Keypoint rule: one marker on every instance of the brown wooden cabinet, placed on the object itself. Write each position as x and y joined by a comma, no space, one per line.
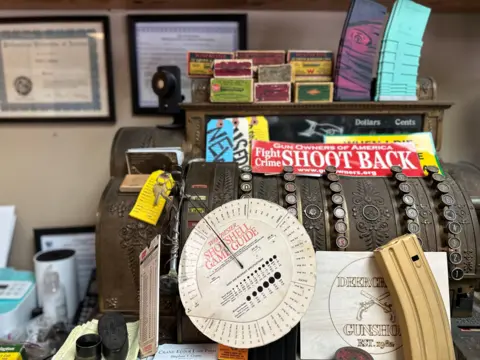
445,6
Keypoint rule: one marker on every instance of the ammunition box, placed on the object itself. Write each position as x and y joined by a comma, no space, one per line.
313,65
233,68
273,92
13,352
268,57
312,68
200,62
310,92
301,78
231,90
275,73
309,55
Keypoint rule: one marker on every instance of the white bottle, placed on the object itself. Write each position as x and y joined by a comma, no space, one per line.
54,299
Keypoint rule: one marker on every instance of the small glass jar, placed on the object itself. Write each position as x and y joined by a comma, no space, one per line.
200,90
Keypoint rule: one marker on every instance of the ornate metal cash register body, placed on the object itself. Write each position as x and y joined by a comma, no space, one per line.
339,213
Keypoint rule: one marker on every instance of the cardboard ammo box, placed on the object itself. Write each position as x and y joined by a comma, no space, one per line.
275,73
231,90
235,68
200,62
310,92
311,65
13,352
273,92
309,55
267,57
302,78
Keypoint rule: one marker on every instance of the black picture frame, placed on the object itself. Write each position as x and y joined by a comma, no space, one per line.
71,230
133,20
104,21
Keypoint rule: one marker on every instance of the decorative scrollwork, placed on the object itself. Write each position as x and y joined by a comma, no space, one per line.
267,189
121,208
425,214
148,141
313,219
223,188
111,302
468,261
136,235
370,213
462,212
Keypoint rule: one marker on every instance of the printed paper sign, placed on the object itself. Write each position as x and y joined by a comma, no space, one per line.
270,157
186,352
423,143
352,306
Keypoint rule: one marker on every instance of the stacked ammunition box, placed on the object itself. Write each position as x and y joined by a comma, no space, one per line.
274,77
261,76
232,81
200,70
312,72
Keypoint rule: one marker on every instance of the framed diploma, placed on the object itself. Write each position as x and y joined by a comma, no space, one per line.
159,40
56,69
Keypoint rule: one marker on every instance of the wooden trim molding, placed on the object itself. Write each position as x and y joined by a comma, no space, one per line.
444,6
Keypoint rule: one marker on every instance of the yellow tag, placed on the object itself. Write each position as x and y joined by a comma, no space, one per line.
144,208
258,128
423,142
228,353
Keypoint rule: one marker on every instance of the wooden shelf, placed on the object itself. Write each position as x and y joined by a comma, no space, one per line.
197,114
445,6
343,107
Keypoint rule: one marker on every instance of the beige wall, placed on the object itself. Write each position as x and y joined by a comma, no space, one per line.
55,174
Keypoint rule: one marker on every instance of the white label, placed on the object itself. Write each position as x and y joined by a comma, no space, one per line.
191,351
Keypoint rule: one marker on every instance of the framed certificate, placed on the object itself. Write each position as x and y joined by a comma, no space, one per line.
56,69
159,40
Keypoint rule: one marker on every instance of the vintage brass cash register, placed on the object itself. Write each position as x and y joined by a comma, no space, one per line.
445,216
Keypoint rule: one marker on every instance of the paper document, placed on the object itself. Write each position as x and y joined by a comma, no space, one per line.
8,219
